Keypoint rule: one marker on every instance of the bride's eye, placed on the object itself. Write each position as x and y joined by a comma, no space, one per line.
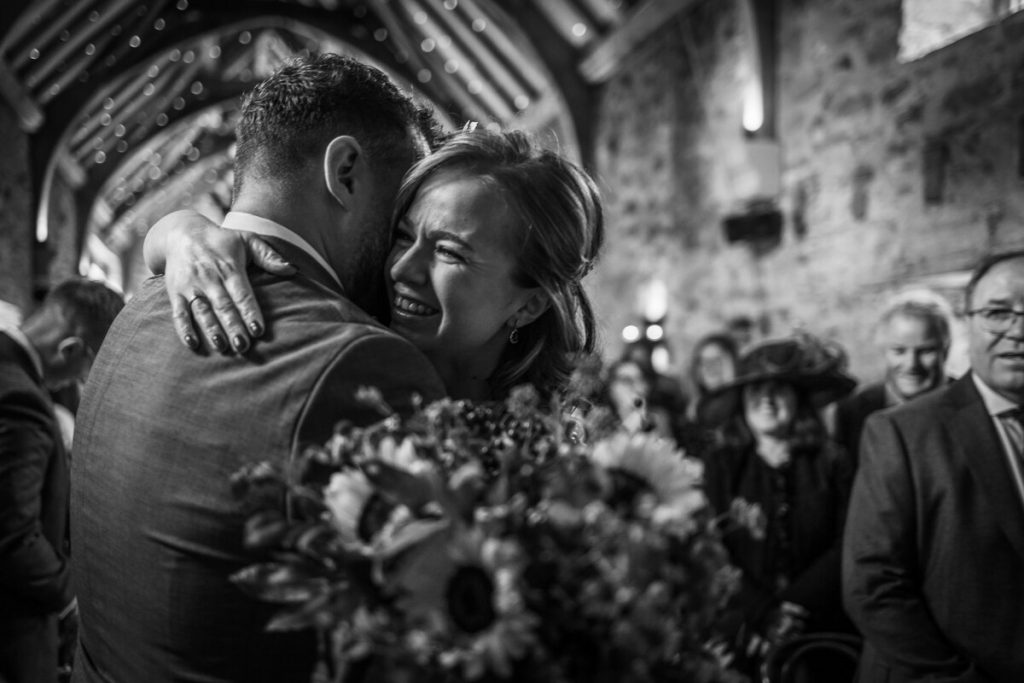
449,253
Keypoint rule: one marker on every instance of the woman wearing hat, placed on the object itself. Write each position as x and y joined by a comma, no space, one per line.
784,487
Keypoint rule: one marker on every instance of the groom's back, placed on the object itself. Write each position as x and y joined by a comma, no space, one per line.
155,531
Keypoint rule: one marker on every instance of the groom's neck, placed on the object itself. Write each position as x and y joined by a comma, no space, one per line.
294,211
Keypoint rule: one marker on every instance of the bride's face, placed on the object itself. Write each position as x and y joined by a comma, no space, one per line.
450,283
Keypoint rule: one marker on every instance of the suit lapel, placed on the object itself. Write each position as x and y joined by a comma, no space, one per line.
980,449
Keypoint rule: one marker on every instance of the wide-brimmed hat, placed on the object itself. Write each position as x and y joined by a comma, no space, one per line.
815,367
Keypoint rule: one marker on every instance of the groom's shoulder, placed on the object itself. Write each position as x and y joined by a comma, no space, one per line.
308,309
301,312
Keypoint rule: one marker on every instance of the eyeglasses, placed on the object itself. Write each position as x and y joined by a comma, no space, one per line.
996,319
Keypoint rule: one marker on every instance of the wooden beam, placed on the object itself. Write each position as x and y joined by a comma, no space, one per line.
73,173
30,113
28,21
603,60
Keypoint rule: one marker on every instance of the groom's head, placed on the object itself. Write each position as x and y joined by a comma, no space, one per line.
322,147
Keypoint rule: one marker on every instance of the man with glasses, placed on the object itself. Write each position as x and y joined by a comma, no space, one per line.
933,562
52,348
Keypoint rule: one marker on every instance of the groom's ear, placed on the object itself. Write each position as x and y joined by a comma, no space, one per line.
345,170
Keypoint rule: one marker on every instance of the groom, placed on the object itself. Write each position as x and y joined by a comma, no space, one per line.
322,146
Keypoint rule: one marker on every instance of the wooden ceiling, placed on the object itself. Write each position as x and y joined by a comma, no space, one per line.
126,99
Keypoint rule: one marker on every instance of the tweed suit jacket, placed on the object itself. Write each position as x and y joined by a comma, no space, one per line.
34,573
933,565
155,530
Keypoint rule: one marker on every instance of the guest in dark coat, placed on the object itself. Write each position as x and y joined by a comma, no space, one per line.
54,347
783,487
933,561
914,335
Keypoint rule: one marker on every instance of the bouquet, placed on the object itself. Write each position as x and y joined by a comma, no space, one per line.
486,542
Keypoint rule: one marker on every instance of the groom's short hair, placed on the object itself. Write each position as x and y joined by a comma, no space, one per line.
288,118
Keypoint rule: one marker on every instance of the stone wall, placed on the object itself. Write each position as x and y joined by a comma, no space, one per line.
893,174
17,219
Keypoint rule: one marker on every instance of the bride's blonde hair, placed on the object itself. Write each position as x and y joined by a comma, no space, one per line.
561,230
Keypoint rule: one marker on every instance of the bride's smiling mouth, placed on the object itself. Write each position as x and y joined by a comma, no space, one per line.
407,306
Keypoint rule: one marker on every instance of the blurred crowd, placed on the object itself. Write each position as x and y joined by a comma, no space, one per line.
782,428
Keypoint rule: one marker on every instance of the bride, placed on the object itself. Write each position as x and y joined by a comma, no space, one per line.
492,236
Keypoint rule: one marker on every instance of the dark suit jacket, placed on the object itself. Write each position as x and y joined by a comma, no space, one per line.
851,413
34,574
933,566
156,533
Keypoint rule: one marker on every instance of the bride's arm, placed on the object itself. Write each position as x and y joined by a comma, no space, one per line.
204,274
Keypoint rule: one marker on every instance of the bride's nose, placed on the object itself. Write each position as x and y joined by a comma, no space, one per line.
408,263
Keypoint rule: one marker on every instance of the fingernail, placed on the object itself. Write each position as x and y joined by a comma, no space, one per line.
191,342
239,343
218,342
256,328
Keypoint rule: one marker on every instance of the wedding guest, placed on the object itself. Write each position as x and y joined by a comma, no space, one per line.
934,543
156,532
627,392
914,336
492,238
783,485
52,348
712,364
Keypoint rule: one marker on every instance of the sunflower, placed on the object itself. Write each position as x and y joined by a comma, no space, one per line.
400,455
462,588
653,474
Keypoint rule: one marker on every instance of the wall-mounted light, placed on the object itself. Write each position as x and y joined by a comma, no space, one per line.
757,24
654,300
753,105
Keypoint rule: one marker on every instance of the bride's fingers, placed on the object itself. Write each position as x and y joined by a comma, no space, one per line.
227,315
264,256
183,322
243,300
208,324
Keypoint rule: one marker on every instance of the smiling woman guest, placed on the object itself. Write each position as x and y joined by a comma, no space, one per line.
492,238
782,486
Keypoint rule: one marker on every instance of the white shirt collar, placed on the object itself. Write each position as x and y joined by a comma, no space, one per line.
239,220
995,404
21,340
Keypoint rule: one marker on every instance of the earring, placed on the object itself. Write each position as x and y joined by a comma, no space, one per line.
513,336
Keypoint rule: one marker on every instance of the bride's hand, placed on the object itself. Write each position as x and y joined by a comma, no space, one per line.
205,278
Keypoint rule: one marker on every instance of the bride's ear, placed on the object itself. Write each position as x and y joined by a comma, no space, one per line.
344,170
532,308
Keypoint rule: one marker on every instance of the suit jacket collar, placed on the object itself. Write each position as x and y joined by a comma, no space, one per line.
14,345
980,449
305,264
268,229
